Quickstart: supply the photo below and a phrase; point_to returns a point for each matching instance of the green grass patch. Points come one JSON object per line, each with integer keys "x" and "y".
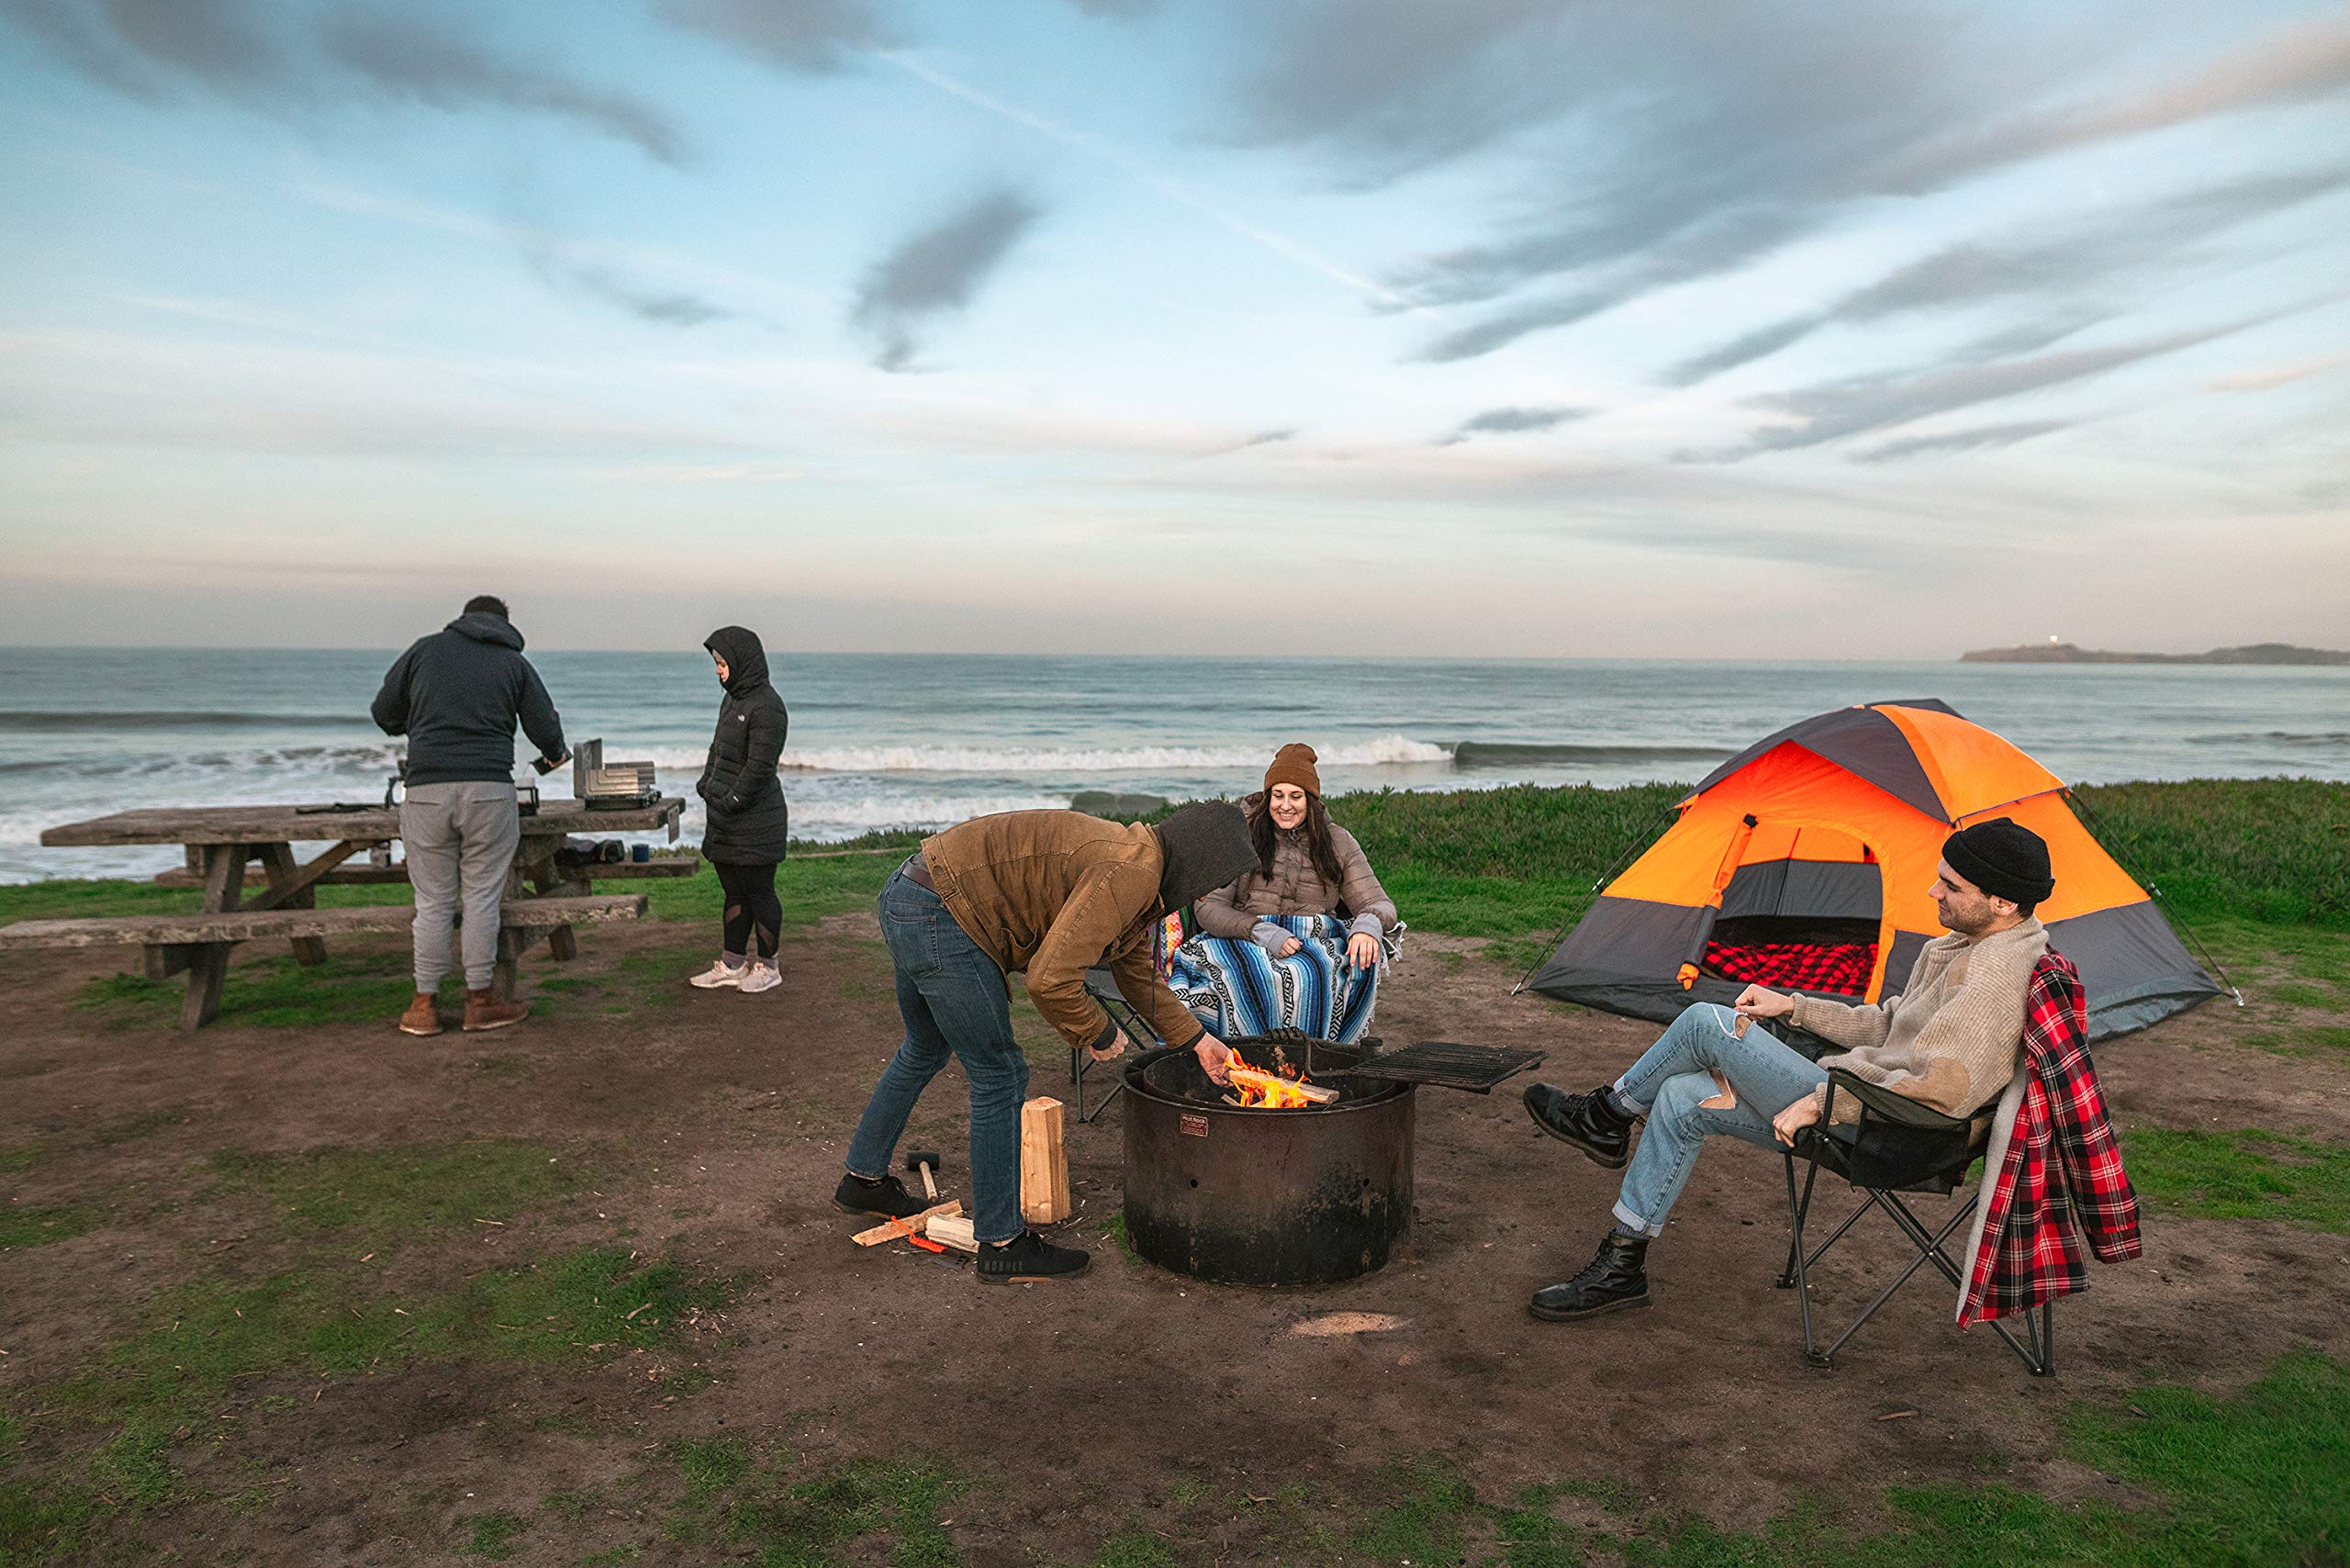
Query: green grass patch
{"x": 804, "y": 1524}
{"x": 2304, "y": 1039}
{"x": 2272, "y": 850}
{"x": 157, "y": 1388}
{"x": 811, "y": 889}
{"x": 364, "y": 988}
{"x": 33, "y": 1227}
{"x": 385, "y": 1194}
{"x": 491, "y": 1535}
{"x": 1134, "y": 1546}
{"x": 2262, "y": 1477}
{"x": 19, "y": 1158}
{"x": 2246, "y": 1175}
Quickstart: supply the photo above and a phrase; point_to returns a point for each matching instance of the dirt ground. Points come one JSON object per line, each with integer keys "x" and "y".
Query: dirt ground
{"x": 714, "y": 1127}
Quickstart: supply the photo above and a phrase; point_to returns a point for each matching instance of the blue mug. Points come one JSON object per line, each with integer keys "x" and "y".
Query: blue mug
{"x": 640, "y": 852}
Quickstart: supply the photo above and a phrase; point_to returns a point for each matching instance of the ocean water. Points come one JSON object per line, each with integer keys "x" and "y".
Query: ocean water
{"x": 927, "y": 740}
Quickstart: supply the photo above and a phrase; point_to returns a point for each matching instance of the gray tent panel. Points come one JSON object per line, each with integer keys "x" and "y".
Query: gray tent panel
{"x": 2133, "y": 967}
{"x": 1817, "y": 890}
{"x": 1863, "y": 740}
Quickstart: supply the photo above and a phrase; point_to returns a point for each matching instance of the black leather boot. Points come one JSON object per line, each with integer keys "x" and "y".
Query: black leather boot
{"x": 1590, "y": 1122}
{"x": 1615, "y": 1281}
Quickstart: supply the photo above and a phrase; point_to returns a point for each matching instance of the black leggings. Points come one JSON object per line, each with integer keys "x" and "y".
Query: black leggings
{"x": 750, "y": 901}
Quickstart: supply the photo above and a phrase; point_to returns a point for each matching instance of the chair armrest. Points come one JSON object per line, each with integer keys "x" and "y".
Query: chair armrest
{"x": 1881, "y": 1104}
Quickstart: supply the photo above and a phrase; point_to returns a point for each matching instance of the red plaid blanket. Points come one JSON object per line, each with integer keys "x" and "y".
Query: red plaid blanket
{"x": 2063, "y": 1161}
{"x": 1841, "y": 969}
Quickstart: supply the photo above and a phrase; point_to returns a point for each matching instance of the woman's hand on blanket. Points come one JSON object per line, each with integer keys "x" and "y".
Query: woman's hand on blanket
{"x": 1292, "y": 945}
{"x": 1795, "y": 1119}
{"x": 1362, "y": 951}
{"x": 1756, "y": 1002}
{"x": 1215, "y": 1058}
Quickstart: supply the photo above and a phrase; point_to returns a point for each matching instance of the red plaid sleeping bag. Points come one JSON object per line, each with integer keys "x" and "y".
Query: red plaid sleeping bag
{"x": 1840, "y": 968}
{"x": 2062, "y": 1165}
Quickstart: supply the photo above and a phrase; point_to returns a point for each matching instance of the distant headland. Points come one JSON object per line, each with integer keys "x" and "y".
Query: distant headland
{"x": 2069, "y": 654}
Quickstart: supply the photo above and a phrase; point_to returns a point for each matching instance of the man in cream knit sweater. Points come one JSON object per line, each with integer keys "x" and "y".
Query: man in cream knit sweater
{"x": 1949, "y": 1041}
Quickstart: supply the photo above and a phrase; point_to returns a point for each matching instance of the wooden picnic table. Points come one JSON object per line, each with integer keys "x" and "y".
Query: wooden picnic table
{"x": 221, "y": 840}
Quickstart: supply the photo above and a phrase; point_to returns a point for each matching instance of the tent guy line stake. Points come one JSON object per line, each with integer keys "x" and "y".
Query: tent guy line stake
{"x": 2096, "y": 826}
{"x": 1548, "y": 949}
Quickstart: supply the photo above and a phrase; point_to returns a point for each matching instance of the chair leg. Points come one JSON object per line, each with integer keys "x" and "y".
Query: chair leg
{"x": 1929, "y": 1252}
{"x": 1798, "y": 1262}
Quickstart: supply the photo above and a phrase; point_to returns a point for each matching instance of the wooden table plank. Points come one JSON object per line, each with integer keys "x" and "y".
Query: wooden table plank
{"x": 323, "y": 823}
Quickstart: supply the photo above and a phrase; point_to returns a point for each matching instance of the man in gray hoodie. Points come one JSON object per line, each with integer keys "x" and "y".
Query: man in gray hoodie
{"x": 456, "y": 695}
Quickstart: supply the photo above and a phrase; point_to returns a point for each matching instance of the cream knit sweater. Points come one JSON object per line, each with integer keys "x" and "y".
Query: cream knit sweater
{"x": 1949, "y": 1039}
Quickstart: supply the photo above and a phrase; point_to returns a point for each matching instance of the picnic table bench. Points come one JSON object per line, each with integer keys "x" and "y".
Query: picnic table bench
{"x": 544, "y": 901}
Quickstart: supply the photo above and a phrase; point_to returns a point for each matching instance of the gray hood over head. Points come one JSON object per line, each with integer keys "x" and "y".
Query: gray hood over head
{"x": 1203, "y": 847}
{"x": 483, "y": 626}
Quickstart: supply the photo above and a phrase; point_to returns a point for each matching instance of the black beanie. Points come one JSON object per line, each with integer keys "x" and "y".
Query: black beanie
{"x": 1202, "y": 846}
{"x": 2004, "y": 858}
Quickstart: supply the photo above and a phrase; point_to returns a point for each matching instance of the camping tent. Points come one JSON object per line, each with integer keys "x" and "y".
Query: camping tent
{"x": 1803, "y": 863}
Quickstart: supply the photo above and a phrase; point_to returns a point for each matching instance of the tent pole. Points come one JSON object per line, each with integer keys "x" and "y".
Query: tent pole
{"x": 2096, "y": 827}
{"x": 1543, "y": 954}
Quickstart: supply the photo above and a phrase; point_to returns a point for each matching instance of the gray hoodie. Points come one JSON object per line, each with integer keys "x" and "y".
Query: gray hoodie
{"x": 456, "y": 695}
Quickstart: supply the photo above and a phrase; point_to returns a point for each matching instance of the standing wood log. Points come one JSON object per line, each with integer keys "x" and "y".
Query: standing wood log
{"x": 1044, "y": 1164}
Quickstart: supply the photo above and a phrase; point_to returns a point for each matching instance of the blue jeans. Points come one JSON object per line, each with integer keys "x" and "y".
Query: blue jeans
{"x": 952, "y": 997}
{"x": 1672, "y": 1080}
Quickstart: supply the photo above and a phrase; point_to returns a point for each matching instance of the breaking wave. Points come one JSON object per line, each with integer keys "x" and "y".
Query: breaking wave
{"x": 1508, "y": 753}
{"x": 1385, "y": 751}
{"x": 105, "y": 721}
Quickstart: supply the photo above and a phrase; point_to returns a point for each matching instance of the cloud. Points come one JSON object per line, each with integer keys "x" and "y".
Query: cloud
{"x": 936, "y": 272}
{"x": 2279, "y": 375}
{"x": 816, "y": 37}
{"x": 1974, "y": 440}
{"x": 566, "y": 266}
{"x": 406, "y": 60}
{"x": 1510, "y": 420}
{"x": 1856, "y": 405}
{"x": 146, "y": 48}
{"x": 1675, "y": 143}
{"x": 2074, "y": 258}
{"x": 2297, "y": 63}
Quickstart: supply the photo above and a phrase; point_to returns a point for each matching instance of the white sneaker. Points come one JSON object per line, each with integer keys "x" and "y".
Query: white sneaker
{"x": 761, "y": 977}
{"x": 721, "y": 975}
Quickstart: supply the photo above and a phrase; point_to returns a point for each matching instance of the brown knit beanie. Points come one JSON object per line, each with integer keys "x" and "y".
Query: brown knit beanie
{"x": 1293, "y": 764}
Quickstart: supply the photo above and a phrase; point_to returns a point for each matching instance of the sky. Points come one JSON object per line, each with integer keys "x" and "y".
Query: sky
{"x": 1859, "y": 329}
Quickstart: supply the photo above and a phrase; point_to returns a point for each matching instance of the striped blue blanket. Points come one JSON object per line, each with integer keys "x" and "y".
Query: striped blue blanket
{"x": 1237, "y": 989}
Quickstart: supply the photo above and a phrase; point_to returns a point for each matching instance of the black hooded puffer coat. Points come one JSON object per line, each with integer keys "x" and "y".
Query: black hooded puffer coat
{"x": 748, "y": 823}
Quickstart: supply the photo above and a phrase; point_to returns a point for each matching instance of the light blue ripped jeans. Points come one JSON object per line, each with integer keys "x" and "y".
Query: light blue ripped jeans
{"x": 1674, "y": 1077}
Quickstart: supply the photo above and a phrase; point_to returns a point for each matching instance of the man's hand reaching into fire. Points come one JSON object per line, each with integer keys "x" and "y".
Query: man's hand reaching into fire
{"x": 1215, "y": 1058}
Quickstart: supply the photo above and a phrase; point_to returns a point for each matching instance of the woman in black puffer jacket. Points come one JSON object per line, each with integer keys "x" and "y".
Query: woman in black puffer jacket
{"x": 749, "y": 828}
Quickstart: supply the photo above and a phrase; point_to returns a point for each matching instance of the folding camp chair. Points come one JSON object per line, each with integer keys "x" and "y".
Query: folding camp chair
{"x": 1104, "y": 988}
{"x": 1899, "y": 1147}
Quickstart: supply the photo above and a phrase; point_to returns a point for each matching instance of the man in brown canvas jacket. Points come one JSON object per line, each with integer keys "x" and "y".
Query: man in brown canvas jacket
{"x": 1052, "y": 894}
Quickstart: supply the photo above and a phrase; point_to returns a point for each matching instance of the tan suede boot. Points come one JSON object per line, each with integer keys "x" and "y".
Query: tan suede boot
{"x": 424, "y": 1016}
{"x": 484, "y": 1010}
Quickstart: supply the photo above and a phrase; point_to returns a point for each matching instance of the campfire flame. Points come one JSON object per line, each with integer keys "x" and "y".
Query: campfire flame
{"x": 1269, "y": 1090}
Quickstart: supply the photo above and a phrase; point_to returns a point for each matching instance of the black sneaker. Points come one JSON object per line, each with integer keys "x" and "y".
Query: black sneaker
{"x": 1028, "y": 1258}
{"x": 1587, "y": 1120}
{"x": 1615, "y": 1281}
{"x": 887, "y": 1198}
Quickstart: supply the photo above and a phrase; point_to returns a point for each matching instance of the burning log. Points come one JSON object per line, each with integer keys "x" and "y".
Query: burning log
{"x": 1273, "y": 1091}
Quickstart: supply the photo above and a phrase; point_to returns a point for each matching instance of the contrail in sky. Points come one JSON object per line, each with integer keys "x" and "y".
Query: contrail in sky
{"x": 1103, "y": 152}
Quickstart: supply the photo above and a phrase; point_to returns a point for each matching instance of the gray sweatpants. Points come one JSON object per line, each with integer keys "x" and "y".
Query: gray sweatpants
{"x": 461, "y": 840}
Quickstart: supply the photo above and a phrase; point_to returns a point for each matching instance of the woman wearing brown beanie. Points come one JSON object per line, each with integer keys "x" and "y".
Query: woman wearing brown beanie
{"x": 1296, "y": 942}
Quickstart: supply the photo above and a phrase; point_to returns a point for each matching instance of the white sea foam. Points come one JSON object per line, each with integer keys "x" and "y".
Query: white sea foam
{"x": 1393, "y": 750}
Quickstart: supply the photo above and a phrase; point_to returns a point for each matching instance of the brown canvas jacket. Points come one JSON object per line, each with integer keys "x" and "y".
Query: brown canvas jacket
{"x": 1053, "y": 894}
